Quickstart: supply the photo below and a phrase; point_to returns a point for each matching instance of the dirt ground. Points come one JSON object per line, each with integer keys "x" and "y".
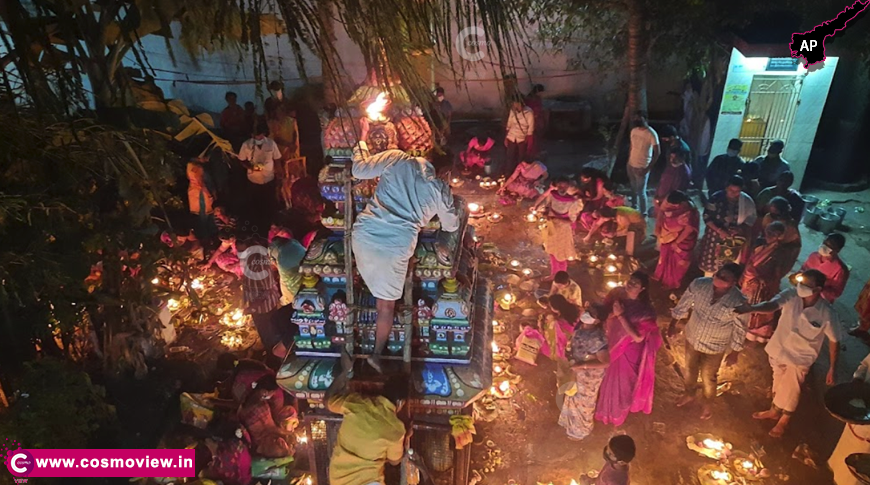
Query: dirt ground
{"x": 535, "y": 449}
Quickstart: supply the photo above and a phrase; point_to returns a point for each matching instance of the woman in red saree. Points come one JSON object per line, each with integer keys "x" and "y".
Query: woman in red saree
{"x": 768, "y": 264}
{"x": 634, "y": 340}
{"x": 677, "y": 229}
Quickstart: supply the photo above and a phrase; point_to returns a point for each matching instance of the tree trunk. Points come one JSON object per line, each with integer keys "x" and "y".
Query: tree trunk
{"x": 637, "y": 58}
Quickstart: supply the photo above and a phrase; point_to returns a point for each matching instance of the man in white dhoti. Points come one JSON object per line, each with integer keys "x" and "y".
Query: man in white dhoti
{"x": 807, "y": 320}
{"x": 407, "y": 197}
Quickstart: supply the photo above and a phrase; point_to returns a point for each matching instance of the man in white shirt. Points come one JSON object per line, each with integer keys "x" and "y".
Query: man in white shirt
{"x": 520, "y": 126}
{"x": 807, "y": 320}
{"x": 258, "y": 155}
{"x": 407, "y": 197}
{"x": 644, "y": 150}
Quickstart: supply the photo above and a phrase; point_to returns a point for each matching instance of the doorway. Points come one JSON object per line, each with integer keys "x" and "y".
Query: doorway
{"x": 770, "y": 111}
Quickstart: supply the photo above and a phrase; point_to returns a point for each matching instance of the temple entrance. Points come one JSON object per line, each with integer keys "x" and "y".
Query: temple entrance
{"x": 770, "y": 112}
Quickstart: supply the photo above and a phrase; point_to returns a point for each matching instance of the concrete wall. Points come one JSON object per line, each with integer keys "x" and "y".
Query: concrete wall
{"x": 813, "y": 95}
{"x": 475, "y": 88}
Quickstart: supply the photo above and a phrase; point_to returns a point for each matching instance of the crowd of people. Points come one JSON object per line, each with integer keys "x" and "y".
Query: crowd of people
{"x": 749, "y": 243}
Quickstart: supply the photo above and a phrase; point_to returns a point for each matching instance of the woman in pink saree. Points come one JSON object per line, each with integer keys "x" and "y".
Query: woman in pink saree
{"x": 525, "y": 180}
{"x": 477, "y": 154}
{"x": 677, "y": 229}
{"x": 634, "y": 341}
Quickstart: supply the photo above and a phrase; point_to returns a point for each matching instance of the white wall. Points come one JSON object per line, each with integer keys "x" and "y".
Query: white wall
{"x": 812, "y": 99}
{"x": 475, "y": 88}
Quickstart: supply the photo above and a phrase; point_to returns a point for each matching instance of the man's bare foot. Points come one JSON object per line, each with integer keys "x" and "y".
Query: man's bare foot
{"x": 769, "y": 414}
{"x": 688, "y": 398}
{"x": 375, "y": 362}
{"x": 706, "y": 412}
{"x": 780, "y": 427}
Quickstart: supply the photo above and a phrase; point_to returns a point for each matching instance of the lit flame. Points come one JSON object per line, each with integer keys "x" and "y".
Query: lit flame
{"x": 238, "y": 314}
{"x": 718, "y": 475}
{"x": 494, "y": 347}
{"x": 155, "y": 281}
{"x": 799, "y": 278}
{"x": 474, "y": 207}
{"x": 593, "y": 258}
{"x": 505, "y": 386}
{"x": 496, "y": 215}
{"x": 301, "y": 439}
{"x": 612, "y": 284}
{"x": 612, "y": 257}
{"x": 515, "y": 263}
{"x": 498, "y": 369}
{"x": 508, "y": 298}
{"x": 196, "y": 284}
{"x": 375, "y": 110}
{"x": 172, "y": 304}
{"x": 492, "y": 390}
{"x": 574, "y": 482}
{"x": 748, "y": 465}
{"x": 714, "y": 444}
{"x": 531, "y": 218}
{"x": 455, "y": 180}
{"x": 495, "y": 323}
{"x": 611, "y": 269}
{"x": 231, "y": 341}
{"x": 308, "y": 481}
{"x": 527, "y": 271}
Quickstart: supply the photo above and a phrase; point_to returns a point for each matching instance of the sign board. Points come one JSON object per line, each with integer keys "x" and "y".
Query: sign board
{"x": 788, "y": 64}
{"x": 734, "y": 99}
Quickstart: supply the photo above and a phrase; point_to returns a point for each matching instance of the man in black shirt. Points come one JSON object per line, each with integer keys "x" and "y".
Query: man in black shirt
{"x": 723, "y": 167}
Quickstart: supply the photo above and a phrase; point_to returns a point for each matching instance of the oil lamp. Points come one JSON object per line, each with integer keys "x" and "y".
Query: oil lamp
{"x": 196, "y": 284}
{"x": 720, "y": 475}
{"x": 611, "y": 257}
{"x": 531, "y": 218}
{"x": 612, "y": 284}
{"x": 593, "y": 259}
{"x": 172, "y": 304}
{"x": 495, "y": 348}
{"x": 507, "y": 301}
{"x": 155, "y": 281}
{"x": 611, "y": 268}
{"x": 527, "y": 272}
{"x": 515, "y": 263}
{"x": 475, "y": 209}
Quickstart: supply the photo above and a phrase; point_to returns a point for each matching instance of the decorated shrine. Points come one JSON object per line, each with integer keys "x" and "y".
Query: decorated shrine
{"x": 441, "y": 332}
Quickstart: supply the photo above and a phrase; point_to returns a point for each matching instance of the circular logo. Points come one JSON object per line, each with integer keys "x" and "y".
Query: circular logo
{"x": 20, "y": 463}
{"x": 256, "y": 268}
{"x": 469, "y": 43}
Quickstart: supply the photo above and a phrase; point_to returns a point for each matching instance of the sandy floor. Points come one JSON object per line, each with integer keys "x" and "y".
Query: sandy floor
{"x": 535, "y": 448}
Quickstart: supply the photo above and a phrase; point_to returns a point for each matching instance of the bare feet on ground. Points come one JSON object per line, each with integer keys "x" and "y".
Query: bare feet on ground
{"x": 769, "y": 414}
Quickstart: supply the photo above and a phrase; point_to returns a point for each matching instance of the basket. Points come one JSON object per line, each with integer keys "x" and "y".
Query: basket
{"x": 728, "y": 251}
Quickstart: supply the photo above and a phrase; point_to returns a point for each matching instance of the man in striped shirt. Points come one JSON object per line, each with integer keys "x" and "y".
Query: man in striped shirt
{"x": 713, "y": 330}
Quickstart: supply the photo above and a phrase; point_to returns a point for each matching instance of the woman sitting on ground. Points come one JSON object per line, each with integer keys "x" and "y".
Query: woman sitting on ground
{"x": 268, "y": 420}
{"x": 478, "y": 153}
{"x": 526, "y": 180}
{"x": 226, "y": 256}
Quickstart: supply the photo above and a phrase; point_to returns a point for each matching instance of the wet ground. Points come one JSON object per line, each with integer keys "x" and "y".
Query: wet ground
{"x": 535, "y": 449}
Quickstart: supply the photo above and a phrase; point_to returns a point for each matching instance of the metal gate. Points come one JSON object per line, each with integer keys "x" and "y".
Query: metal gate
{"x": 770, "y": 111}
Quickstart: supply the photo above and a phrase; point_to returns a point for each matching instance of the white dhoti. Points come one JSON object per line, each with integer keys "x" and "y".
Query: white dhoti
{"x": 853, "y": 440}
{"x": 407, "y": 197}
{"x": 382, "y": 264}
{"x": 787, "y": 381}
